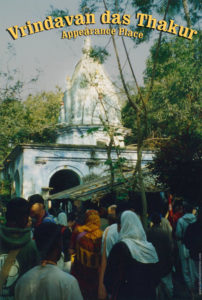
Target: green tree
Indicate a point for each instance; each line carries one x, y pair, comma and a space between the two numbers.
33, 120
5, 191
139, 101
12, 121
178, 165
176, 99
175, 103
189, 10
42, 112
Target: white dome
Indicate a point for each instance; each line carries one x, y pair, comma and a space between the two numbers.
90, 98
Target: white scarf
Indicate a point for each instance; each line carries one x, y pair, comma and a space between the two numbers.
62, 219
112, 238
133, 235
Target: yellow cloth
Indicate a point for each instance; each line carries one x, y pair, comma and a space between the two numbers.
92, 225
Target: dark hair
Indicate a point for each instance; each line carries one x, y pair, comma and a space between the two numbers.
17, 211
177, 204
121, 207
47, 236
135, 202
71, 216
156, 218
199, 216
103, 212
188, 207
36, 198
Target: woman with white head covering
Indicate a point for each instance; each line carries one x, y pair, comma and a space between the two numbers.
133, 235
62, 219
131, 272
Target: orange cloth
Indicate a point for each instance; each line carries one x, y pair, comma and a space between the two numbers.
92, 225
88, 253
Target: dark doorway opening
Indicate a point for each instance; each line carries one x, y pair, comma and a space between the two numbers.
63, 180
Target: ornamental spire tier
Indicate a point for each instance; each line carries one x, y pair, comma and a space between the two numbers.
90, 101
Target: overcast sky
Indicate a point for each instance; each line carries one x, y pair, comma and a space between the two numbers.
46, 51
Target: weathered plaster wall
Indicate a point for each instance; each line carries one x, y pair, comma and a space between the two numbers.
41, 164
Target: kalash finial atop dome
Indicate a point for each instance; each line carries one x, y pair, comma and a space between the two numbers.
87, 45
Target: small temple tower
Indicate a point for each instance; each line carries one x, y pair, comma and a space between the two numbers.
90, 104
90, 114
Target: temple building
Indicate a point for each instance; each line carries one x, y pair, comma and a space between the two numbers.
90, 119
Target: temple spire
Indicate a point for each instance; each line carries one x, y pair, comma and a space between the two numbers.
87, 46
90, 100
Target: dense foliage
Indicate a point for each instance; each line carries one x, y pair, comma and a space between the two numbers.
188, 10
175, 102
33, 120
174, 114
178, 165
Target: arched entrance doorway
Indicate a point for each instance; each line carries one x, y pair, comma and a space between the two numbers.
63, 180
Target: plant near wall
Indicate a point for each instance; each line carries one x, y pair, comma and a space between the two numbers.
5, 191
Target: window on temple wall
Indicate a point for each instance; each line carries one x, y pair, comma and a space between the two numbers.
63, 180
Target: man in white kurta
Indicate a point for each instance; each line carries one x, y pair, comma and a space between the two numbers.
47, 283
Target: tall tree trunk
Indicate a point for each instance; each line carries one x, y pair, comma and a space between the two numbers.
186, 12
138, 177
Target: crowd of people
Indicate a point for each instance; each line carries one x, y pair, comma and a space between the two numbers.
99, 253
